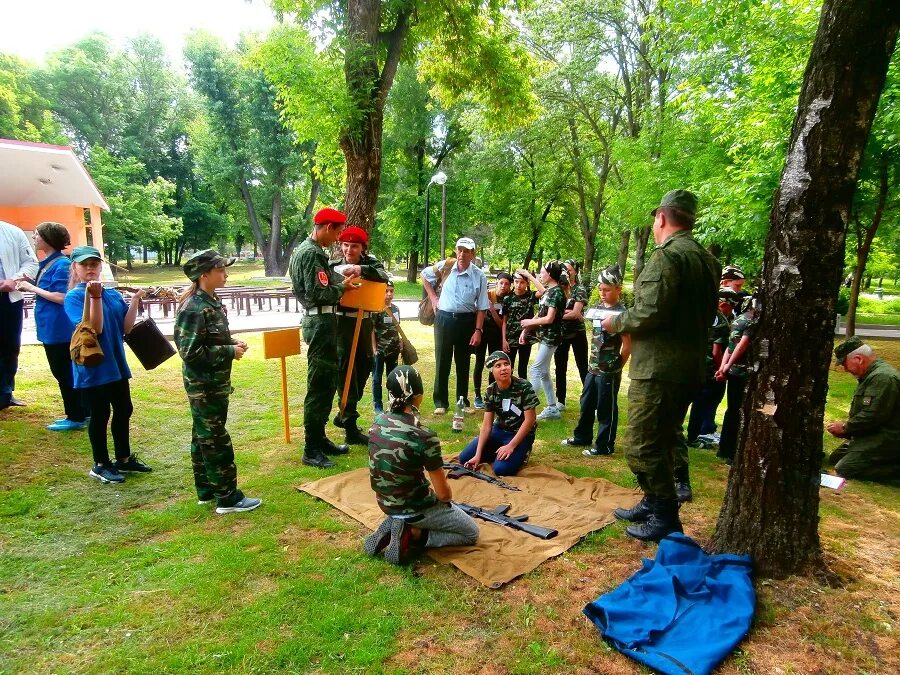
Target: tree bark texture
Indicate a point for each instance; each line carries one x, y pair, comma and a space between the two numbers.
641, 237
622, 259
772, 500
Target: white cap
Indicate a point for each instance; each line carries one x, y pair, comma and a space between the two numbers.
466, 242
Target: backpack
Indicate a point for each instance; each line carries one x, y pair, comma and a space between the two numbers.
426, 311
84, 347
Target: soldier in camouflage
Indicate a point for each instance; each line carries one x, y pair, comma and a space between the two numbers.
518, 305
674, 305
733, 369
574, 335
354, 243
401, 451
609, 354
509, 424
207, 351
319, 289
388, 344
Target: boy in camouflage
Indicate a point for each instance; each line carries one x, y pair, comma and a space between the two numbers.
387, 344
733, 369
400, 452
207, 352
609, 354
511, 403
519, 305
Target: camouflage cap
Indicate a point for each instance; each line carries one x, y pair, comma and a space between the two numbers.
403, 384
611, 276
682, 200
203, 262
494, 357
844, 349
732, 272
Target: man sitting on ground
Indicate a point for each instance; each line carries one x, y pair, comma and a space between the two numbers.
510, 401
872, 451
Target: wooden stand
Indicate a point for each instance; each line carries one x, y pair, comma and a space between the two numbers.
368, 296
279, 344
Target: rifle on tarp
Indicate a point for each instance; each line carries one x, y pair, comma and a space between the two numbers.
458, 471
498, 515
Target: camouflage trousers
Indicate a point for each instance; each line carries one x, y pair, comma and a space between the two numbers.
212, 455
320, 336
656, 450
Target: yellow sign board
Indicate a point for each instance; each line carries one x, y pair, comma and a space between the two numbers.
282, 343
368, 296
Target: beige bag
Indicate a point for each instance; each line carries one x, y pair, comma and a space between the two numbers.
426, 311
84, 347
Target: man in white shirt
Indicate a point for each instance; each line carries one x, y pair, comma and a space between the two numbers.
17, 261
459, 320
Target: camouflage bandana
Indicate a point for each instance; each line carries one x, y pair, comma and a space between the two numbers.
494, 357
403, 384
611, 276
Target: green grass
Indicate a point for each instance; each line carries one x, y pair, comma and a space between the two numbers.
137, 577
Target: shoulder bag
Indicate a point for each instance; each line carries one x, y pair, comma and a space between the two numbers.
426, 310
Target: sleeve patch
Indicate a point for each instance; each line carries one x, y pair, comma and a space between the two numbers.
323, 277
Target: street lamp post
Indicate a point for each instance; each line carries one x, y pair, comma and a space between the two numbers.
440, 178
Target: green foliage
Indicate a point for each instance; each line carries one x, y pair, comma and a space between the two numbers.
24, 112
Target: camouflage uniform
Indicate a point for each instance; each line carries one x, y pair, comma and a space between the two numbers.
514, 309
508, 406
737, 382
387, 348
550, 337
574, 335
873, 452
372, 270
207, 351
551, 334
400, 452
703, 407
601, 390
316, 286
674, 305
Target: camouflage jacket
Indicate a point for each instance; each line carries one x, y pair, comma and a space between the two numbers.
387, 337
605, 347
313, 282
743, 325
516, 308
875, 410
675, 300
509, 405
551, 334
580, 294
205, 345
371, 267
400, 452
718, 335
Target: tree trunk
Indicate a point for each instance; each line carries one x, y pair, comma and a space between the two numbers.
641, 236
413, 266
144, 253
771, 504
274, 262
529, 254
622, 260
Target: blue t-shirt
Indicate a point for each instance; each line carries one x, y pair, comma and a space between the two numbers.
53, 324
114, 366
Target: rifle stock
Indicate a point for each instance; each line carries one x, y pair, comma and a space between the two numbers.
456, 470
498, 515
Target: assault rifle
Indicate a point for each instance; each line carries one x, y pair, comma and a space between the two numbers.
498, 515
458, 471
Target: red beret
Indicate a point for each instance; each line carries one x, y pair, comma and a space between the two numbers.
354, 235
329, 216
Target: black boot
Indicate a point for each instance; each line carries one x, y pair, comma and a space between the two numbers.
639, 513
338, 421
353, 436
330, 448
683, 486
663, 521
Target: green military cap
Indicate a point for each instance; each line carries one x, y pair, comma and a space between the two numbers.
851, 344
684, 201
494, 357
203, 262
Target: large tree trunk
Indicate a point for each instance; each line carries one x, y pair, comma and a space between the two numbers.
641, 237
622, 259
413, 268
772, 501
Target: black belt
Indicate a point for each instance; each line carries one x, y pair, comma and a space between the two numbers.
457, 315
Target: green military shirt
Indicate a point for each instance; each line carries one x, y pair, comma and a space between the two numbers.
675, 299
400, 452
205, 345
606, 348
313, 282
516, 308
387, 337
570, 328
718, 335
743, 325
509, 405
875, 409
551, 334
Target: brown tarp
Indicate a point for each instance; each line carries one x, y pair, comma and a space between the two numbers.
550, 498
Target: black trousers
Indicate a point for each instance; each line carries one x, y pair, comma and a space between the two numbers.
732, 420
61, 366
491, 341
117, 397
11, 314
451, 343
703, 409
578, 344
524, 353
599, 401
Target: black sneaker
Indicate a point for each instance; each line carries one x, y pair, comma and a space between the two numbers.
246, 504
376, 542
317, 459
354, 436
573, 442
597, 452
132, 465
106, 473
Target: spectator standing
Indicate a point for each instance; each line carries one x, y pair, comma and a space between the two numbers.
54, 328
17, 262
493, 333
734, 370
574, 334
549, 323
388, 343
459, 320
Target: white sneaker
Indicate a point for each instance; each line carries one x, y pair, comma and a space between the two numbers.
246, 504
560, 406
440, 411
551, 412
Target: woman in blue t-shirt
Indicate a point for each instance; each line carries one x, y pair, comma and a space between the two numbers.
105, 386
54, 328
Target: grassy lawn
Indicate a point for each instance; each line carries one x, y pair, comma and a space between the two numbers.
138, 577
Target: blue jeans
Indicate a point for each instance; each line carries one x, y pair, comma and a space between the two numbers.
497, 439
383, 366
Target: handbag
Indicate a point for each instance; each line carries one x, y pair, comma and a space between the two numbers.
84, 347
408, 353
149, 344
426, 310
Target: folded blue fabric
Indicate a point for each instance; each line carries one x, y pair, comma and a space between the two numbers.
683, 612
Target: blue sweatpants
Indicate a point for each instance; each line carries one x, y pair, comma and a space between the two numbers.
498, 438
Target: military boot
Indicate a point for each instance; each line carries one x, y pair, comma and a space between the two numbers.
663, 521
639, 513
330, 448
683, 486
353, 436
315, 457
